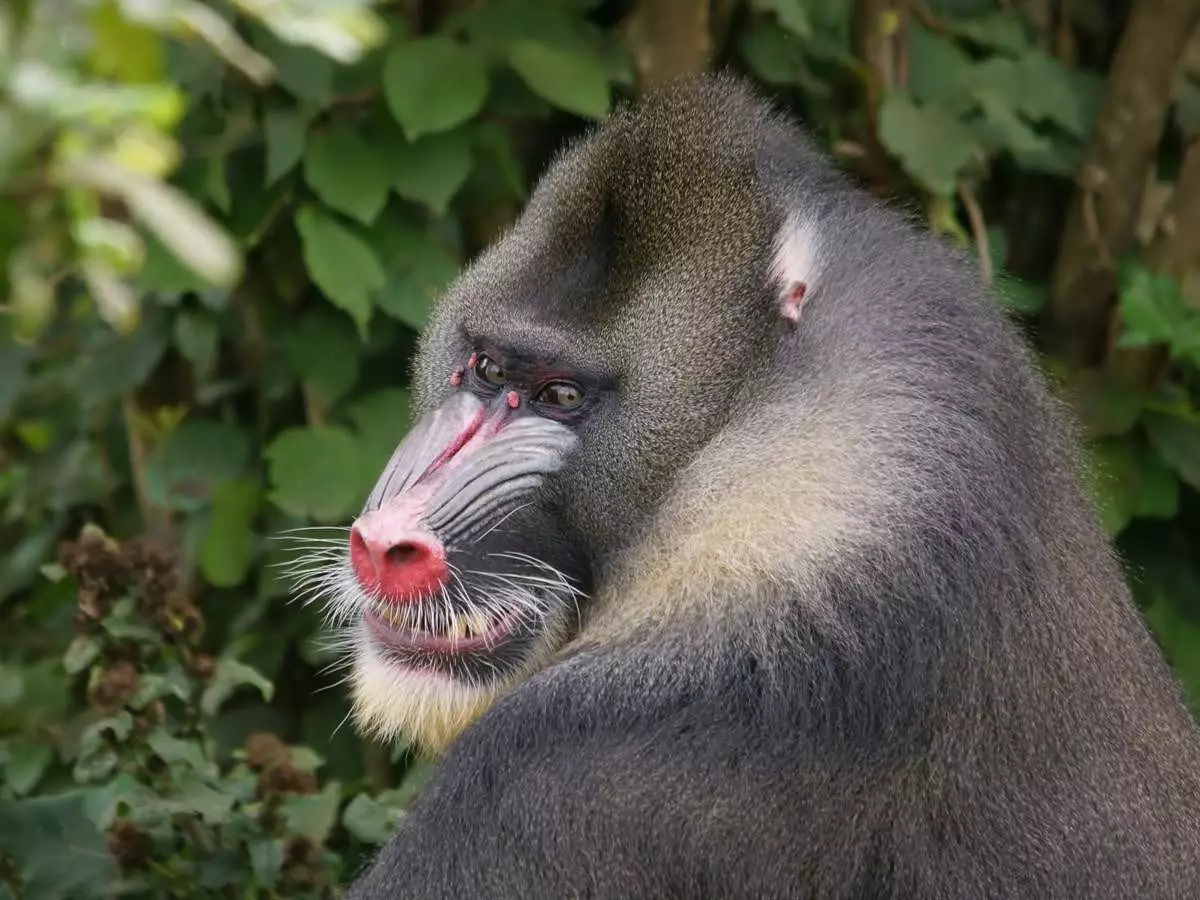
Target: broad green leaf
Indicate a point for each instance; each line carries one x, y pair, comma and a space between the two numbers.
1106, 405
184, 470
1152, 307
313, 815
343, 266
995, 30
571, 80
197, 337
1178, 442
196, 797
933, 145
791, 14
381, 420
27, 763
1021, 298
433, 84
228, 545
173, 750
372, 819
229, 675
347, 173
56, 848
431, 169
325, 354
1158, 496
81, 653
307, 74
937, 65
266, 860
314, 472
162, 271
419, 269
284, 131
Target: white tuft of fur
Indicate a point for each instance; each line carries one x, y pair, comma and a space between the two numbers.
797, 259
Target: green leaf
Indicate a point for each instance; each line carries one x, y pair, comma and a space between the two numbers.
346, 172
1177, 440
937, 65
1021, 298
174, 751
56, 848
314, 472
325, 354
433, 84
27, 762
1151, 305
372, 820
419, 269
198, 798
771, 54
343, 266
226, 551
381, 420
313, 815
81, 653
430, 170
305, 73
229, 675
266, 860
791, 14
184, 470
197, 337
933, 145
571, 80
284, 131
1158, 497
1105, 404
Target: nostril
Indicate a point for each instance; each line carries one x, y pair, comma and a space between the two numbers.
405, 553
399, 569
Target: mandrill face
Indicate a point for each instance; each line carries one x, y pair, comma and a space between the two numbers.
460, 580
553, 421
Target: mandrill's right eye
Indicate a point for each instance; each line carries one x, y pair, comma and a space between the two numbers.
489, 370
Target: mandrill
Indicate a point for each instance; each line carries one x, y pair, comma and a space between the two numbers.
739, 551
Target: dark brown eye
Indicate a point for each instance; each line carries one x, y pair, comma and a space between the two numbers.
487, 369
561, 395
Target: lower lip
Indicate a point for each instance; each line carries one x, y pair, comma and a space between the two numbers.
411, 641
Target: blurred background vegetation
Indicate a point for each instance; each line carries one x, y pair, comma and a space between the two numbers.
222, 225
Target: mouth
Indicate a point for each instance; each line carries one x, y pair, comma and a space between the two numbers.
459, 634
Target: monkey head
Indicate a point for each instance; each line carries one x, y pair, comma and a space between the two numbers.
563, 382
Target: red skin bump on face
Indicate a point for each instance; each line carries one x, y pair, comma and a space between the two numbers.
456, 378
471, 362
513, 399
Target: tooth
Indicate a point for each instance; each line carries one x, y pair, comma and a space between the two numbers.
479, 623
458, 628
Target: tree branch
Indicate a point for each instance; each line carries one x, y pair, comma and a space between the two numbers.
1103, 212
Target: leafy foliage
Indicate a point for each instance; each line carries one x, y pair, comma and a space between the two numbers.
222, 227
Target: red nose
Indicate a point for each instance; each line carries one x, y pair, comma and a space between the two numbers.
395, 568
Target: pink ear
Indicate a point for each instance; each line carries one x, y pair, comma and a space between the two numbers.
795, 266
